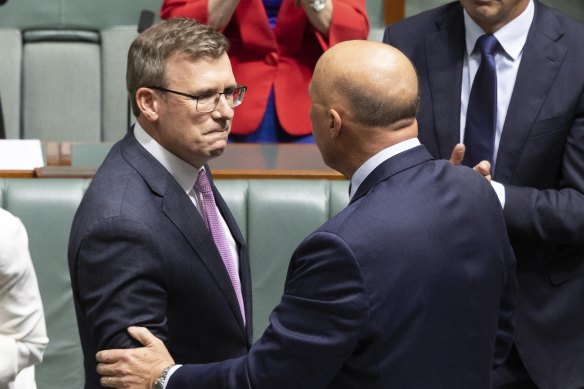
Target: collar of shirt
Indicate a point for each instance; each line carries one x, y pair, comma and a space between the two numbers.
184, 173
370, 165
511, 37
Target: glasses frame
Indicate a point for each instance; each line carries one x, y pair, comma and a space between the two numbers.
242, 89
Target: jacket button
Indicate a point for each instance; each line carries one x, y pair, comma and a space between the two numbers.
272, 58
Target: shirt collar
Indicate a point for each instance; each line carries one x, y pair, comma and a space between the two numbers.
511, 37
184, 173
370, 165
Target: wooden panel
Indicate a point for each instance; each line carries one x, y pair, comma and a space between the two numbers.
239, 161
394, 10
16, 173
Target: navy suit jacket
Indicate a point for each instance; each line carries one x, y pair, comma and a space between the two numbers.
410, 286
540, 162
140, 254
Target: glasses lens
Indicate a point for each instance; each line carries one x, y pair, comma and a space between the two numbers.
238, 95
207, 102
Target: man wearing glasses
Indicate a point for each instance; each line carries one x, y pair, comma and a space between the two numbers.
153, 243
383, 295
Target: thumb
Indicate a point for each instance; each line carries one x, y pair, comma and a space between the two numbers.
457, 154
142, 335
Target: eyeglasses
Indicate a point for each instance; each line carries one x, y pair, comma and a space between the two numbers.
207, 102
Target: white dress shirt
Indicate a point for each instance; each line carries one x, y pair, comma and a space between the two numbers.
512, 38
186, 176
23, 335
370, 165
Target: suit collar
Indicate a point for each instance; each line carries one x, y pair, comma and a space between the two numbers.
183, 172
391, 167
177, 206
511, 37
542, 57
445, 47
376, 160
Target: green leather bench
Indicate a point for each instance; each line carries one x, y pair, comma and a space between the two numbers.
274, 216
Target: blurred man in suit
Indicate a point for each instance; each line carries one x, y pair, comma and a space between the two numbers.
536, 148
410, 286
153, 243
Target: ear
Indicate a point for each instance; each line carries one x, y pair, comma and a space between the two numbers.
335, 123
147, 101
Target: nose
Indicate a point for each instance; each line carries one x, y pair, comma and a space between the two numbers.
223, 109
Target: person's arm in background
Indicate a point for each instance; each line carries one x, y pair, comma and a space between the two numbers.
23, 335
215, 13
320, 20
348, 21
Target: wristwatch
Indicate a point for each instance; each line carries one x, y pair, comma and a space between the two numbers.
159, 384
318, 5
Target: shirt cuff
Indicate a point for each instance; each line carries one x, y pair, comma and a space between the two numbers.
170, 372
500, 190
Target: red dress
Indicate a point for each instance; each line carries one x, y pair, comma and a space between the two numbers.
284, 57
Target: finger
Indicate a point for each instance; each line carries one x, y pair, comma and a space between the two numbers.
110, 382
108, 356
142, 335
483, 167
105, 369
107, 381
457, 154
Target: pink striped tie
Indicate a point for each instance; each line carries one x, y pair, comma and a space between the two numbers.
212, 218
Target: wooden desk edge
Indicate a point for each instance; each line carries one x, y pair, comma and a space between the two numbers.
80, 172
281, 174
17, 173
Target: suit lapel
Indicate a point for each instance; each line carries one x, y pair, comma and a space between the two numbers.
392, 166
177, 206
195, 231
542, 58
445, 54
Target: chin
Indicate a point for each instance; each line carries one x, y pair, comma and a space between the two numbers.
218, 148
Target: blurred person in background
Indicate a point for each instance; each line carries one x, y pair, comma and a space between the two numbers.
274, 47
23, 335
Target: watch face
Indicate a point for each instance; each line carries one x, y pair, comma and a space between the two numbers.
318, 5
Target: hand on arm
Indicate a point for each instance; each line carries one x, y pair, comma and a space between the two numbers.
136, 368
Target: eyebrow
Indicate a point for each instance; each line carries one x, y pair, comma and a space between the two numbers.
212, 90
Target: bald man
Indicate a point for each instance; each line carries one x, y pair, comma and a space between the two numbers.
410, 286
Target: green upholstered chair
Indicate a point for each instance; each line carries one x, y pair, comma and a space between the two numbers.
274, 215
46, 208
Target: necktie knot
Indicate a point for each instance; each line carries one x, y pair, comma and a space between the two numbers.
487, 44
203, 185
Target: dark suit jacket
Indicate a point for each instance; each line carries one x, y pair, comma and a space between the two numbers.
140, 254
540, 162
410, 286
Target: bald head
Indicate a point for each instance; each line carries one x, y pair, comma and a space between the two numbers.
375, 83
